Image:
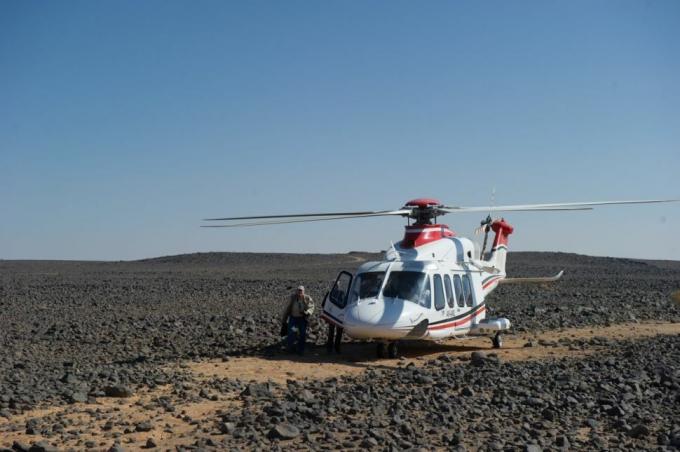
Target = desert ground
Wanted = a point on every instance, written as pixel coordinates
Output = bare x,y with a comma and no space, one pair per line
182,353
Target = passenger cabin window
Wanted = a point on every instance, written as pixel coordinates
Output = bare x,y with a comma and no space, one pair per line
460,296
409,286
366,285
468,290
439,298
449,291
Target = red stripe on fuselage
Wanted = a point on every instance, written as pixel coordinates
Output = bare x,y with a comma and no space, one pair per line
493,280
458,322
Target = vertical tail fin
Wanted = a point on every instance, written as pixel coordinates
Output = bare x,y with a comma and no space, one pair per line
499,249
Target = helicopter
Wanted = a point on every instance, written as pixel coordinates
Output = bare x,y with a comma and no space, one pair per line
432,284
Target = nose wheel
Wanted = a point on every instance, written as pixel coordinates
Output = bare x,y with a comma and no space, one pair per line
497,340
389,350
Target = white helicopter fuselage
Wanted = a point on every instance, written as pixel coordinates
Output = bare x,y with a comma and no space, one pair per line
429,287
432,284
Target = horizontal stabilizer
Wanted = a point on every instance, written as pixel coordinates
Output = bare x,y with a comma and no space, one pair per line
545,279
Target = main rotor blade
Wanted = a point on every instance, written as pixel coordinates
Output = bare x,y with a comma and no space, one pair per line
304,215
509,209
552,206
309,220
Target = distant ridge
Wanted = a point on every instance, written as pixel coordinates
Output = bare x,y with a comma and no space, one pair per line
218,258
225,258
229,257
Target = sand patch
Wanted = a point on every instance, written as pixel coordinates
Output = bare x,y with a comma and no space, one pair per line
357,357
190,417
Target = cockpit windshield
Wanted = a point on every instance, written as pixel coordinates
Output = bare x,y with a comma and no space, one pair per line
366,285
410,286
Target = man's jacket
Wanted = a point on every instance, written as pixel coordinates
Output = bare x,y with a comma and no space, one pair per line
298,307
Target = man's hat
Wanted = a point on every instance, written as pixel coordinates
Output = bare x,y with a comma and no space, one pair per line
301,288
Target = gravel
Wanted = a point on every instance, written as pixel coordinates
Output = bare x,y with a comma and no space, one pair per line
626,399
74,331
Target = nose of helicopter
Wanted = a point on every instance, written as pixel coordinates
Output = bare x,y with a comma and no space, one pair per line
378,319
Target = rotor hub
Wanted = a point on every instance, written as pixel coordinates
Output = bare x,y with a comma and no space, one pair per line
423,203
424,210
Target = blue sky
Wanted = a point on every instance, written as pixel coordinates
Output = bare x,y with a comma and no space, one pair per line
122,124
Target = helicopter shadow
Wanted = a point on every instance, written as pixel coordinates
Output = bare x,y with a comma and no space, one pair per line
364,354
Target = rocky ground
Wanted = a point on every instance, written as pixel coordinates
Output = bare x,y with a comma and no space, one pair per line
80,339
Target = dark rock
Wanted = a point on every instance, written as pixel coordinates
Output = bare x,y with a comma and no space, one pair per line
145,426
369,443
562,441
675,439
615,411
42,446
118,391
284,431
20,447
639,431
477,358
258,390
548,414
306,395
227,428
590,422
467,392
78,397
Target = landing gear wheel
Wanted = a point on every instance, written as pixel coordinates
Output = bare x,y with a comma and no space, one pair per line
497,340
392,350
380,350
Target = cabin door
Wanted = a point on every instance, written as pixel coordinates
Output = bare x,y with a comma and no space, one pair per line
335,301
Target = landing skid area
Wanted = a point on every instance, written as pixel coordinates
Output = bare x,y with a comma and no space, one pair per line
390,348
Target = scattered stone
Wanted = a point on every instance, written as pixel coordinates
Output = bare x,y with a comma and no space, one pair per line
78,397
145,426
118,391
467,392
20,447
284,431
258,390
42,446
369,443
639,431
477,358
562,442
117,325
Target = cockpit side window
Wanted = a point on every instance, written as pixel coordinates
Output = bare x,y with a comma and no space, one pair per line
458,285
366,285
439,299
409,285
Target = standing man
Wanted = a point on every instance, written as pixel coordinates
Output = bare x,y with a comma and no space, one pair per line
334,331
334,338
300,306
